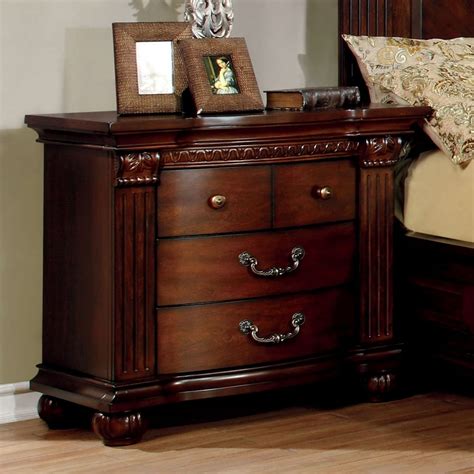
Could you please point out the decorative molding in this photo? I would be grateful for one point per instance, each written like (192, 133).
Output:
(17, 402)
(261, 152)
(135, 210)
(376, 253)
(376, 212)
(381, 151)
(138, 168)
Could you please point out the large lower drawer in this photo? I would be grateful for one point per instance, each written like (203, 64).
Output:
(200, 270)
(207, 337)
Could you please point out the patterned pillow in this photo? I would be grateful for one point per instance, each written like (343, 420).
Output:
(438, 73)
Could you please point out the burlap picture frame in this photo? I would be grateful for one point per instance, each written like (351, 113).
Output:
(220, 75)
(153, 81)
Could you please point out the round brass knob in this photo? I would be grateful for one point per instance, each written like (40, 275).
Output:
(217, 201)
(323, 193)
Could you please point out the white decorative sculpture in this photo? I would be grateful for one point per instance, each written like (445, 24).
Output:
(210, 18)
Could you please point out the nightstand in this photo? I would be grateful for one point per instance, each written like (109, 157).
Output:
(187, 258)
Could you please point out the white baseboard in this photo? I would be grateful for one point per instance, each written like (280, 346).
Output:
(17, 402)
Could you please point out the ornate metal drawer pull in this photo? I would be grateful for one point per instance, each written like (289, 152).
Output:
(248, 260)
(246, 326)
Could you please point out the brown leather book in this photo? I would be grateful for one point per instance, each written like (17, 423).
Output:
(313, 98)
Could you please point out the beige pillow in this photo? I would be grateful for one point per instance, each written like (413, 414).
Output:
(438, 73)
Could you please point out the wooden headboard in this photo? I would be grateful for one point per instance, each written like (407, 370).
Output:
(406, 18)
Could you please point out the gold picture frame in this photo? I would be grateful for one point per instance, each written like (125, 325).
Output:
(149, 71)
(220, 75)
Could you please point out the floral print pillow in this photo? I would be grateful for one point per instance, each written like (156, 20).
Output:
(438, 73)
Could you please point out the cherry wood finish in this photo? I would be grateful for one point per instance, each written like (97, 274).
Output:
(376, 239)
(297, 189)
(376, 18)
(192, 338)
(444, 18)
(438, 279)
(208, 269)
(78, 258)
(185, 196)
(119, 430)
(60, 414)
(436, 276)
(144, 291)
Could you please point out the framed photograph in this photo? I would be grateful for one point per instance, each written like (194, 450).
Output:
(220, 75)
(149, 71)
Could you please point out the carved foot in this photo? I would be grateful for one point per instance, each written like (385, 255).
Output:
(381, 387)
(379, 372)
(119, 429)
(59, 414)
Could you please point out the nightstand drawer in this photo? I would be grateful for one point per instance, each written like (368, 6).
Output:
(214, 200)
(311, 193)
(205, 269)
(207, 337)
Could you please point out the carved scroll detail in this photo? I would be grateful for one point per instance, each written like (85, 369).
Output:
(138, 168)
(259, 152)
(381, 151)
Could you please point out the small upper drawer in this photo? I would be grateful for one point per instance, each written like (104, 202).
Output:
(214, 200)
(311, 193)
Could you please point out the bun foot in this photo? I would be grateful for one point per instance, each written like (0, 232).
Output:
(381, 387)
(120, 429)
(57, 413)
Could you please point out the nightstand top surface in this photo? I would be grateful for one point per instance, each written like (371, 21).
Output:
(112, 123)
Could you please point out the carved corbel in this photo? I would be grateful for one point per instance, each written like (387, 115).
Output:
(380, 151)
(137, 168)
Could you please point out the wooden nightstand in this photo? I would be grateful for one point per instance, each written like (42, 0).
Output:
(187, 258)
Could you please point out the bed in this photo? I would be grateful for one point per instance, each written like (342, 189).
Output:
(435, 242)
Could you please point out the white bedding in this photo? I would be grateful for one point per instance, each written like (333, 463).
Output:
(439, 197)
